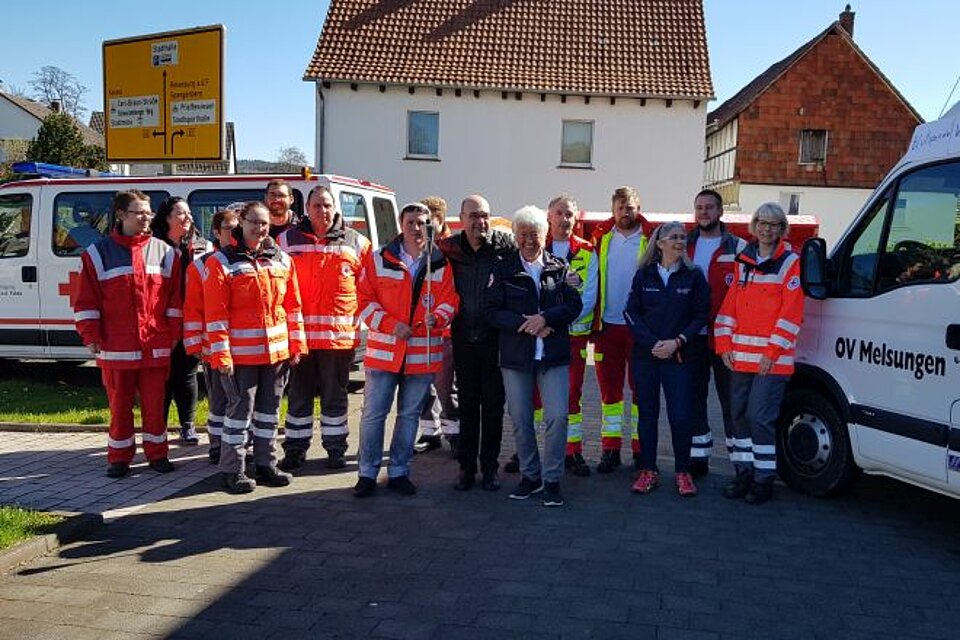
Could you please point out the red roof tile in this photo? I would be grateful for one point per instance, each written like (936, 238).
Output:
(649, 48)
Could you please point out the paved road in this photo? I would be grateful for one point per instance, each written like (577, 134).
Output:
(311, 561)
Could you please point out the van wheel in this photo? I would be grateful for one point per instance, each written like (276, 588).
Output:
(813, 447)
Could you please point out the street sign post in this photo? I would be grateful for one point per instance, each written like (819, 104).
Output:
(163, 96)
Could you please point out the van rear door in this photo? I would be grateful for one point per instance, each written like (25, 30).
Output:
(21, 335)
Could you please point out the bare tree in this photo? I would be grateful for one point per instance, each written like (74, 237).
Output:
(53, 84)
(292, 156)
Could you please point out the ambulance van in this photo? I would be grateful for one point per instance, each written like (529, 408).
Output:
(877, 383)
(46, 223)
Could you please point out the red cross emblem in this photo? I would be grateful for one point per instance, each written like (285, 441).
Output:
(69, 288)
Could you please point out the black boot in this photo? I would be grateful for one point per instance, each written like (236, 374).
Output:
(513, 464)
(759, 493)
(576, 465)
(609, 461)
(272, 477)
(427, 443)
(238, 483)
(699, 467)
(739, 486)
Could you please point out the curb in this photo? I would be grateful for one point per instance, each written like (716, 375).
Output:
(51, 427)
(73, 528)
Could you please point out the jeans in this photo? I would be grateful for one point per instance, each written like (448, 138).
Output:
(554, 386)
(378, 392)
(754, 406)
(677, 381)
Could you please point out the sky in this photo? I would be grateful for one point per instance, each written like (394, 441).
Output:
(266, 54)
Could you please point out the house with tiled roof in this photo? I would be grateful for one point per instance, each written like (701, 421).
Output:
(816, 132)
(516, 99)
(20, 119)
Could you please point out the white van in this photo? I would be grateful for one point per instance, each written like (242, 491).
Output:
(877, 384)
(46, 223)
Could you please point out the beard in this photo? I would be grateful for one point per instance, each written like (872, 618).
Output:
(709, 227)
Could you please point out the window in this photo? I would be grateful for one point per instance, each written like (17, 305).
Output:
(15, 214)
(206, 202)
(82, 218)
(423, 134)
(385, 215)
(813, 146)
(354, 210)
(576, 147)
(911, 236)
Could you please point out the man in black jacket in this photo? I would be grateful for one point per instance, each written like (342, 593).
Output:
(530, 303)
(473, 252)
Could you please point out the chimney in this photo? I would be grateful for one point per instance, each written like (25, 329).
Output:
(846, 20)
(55, 106)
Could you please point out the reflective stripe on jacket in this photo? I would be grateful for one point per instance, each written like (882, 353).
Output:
(328, 268)
(390, 295)
(720, 272)
(195, 339)
(252, 311)
(583, 261)
(129, 301)
(762, 311)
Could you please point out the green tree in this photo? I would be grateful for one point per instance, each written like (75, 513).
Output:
(59, 141)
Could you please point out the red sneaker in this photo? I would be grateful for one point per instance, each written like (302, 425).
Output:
(685, 486)
(647, 481)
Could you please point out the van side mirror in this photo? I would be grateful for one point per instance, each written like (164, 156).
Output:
(813, 268)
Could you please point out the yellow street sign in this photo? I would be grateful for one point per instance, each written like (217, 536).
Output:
(163, 96)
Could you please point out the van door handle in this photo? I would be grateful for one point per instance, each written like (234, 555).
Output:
(28, 273)
(953, 336)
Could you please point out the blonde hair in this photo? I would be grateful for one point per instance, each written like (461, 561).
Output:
(767, 211)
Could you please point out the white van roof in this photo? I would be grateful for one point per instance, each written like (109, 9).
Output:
(937, 140)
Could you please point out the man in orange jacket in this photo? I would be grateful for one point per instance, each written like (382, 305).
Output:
(328, 255)
(128, 314)
(407, 298)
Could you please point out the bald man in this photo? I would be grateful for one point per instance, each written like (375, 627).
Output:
(473, 252)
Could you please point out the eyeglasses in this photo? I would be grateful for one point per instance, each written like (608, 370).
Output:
(767, 224)
(145, 212)
(676, 237)
(257, 223)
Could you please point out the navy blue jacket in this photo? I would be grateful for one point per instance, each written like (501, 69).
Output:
(656, 312)
(512, 294)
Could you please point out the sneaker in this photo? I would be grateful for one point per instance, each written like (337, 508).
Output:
(576, 465)
(335, 460)
(513, 464)
(699, 467)
(685, 486)
(491, 481)
(526, 488)
(551, 495)
(214, 455)
(161, 465)
(759, 493)
(427, 443)
(272, 477)
(647, 481)
(238, 483)
(188, 435)
(402, 485)
(609, 461)
(738, 487)
(292, 459)
(465, 480)
(365, 487)
(118, 469)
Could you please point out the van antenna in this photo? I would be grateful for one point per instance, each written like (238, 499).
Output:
(948, 97)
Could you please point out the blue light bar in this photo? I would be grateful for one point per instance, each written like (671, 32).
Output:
(57, 171)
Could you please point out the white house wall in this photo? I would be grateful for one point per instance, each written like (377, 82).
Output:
(15, 123)
(509, 150)
(834, 207)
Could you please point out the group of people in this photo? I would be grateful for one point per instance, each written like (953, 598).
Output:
(460, 327)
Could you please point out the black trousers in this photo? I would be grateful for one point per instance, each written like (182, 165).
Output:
(182, 385)
(482, 399)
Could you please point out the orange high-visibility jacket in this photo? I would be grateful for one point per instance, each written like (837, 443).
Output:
(195, 341)
(762, 311)
(128, 301)
(389, 295)
(327, 271)
(251, 307)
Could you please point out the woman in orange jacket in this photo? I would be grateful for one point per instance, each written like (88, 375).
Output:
(255, 327)
(755, 334)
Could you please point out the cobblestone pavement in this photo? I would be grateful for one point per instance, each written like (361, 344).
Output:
(311, 561)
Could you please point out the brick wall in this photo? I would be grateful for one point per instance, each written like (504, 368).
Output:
(831, 87)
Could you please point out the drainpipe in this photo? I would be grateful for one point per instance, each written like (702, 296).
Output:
(321, 123)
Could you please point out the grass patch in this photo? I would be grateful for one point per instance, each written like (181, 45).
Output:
(17, 523)
(32, 401)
